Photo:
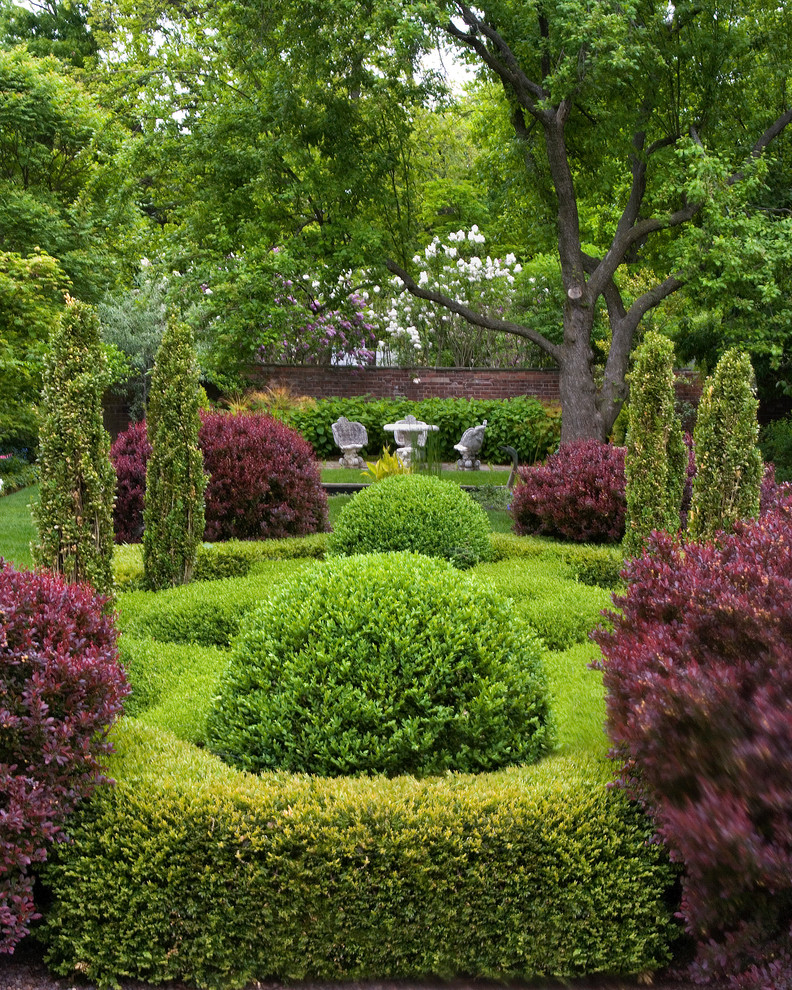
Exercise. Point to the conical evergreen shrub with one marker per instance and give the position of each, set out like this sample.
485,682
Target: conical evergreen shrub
656,459
74,515
728,462
173,520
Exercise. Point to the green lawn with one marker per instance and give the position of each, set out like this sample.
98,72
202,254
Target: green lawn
16,527
345,476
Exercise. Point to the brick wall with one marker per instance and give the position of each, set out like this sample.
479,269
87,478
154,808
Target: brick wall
409,383
424,383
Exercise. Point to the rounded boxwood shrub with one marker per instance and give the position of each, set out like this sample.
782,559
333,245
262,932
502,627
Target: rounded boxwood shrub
578,494
382,663
415,512
61,686
263,480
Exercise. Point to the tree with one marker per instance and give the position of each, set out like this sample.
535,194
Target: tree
74,514
31,298
59,29
656,462
638,99
622,116
729,465
173,518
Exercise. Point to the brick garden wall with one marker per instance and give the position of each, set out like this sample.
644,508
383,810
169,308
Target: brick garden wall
409,383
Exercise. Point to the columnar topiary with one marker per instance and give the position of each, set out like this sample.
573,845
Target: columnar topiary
382,663
61,686
415,512
74,515
656,459
173,519
728,461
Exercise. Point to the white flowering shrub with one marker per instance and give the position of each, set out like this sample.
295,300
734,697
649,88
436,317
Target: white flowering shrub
417,332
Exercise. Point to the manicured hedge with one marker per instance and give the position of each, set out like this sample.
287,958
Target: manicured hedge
597,565
415,512
207,613
172,684
189,870
234,558
561,611
524,423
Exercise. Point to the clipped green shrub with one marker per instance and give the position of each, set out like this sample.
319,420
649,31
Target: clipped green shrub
589,563
561,610
729,465
207,613
173,517
523,422
188,870
577,690
172,684
413,512
382,663
656,458
74,513
215,561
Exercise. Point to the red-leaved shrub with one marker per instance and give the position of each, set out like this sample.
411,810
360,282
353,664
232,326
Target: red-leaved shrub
698,670
61,686
263,480
130,453
578,494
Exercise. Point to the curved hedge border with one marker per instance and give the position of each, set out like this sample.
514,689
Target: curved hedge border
189,870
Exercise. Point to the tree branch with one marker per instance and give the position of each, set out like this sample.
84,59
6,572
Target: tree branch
769,135
504,65
477,319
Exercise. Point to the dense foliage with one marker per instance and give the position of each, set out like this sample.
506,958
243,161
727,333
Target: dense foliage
536,872
74,514
263,481
728,463
319,683
61,686
525,423
578,494
415,512
656,459
173,518
775,440
699,677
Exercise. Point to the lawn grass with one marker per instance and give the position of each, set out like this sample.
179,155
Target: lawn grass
346,476
16,527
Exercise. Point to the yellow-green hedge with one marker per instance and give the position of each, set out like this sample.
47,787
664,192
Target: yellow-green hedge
189,870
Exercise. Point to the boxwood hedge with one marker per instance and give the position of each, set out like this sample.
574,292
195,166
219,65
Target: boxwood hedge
189,870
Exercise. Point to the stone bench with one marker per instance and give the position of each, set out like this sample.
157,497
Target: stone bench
469,446
351,437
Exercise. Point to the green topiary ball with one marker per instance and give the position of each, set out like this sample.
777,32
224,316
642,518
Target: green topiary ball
382,663
415,512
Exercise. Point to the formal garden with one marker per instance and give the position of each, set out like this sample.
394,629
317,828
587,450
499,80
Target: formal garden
514,706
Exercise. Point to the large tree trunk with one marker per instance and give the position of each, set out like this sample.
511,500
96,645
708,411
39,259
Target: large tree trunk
581,417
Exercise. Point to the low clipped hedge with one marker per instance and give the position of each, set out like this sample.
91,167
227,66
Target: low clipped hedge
382,663
172,684
189,870
561,611
597,565
531,427
214,561
205,613
415,512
